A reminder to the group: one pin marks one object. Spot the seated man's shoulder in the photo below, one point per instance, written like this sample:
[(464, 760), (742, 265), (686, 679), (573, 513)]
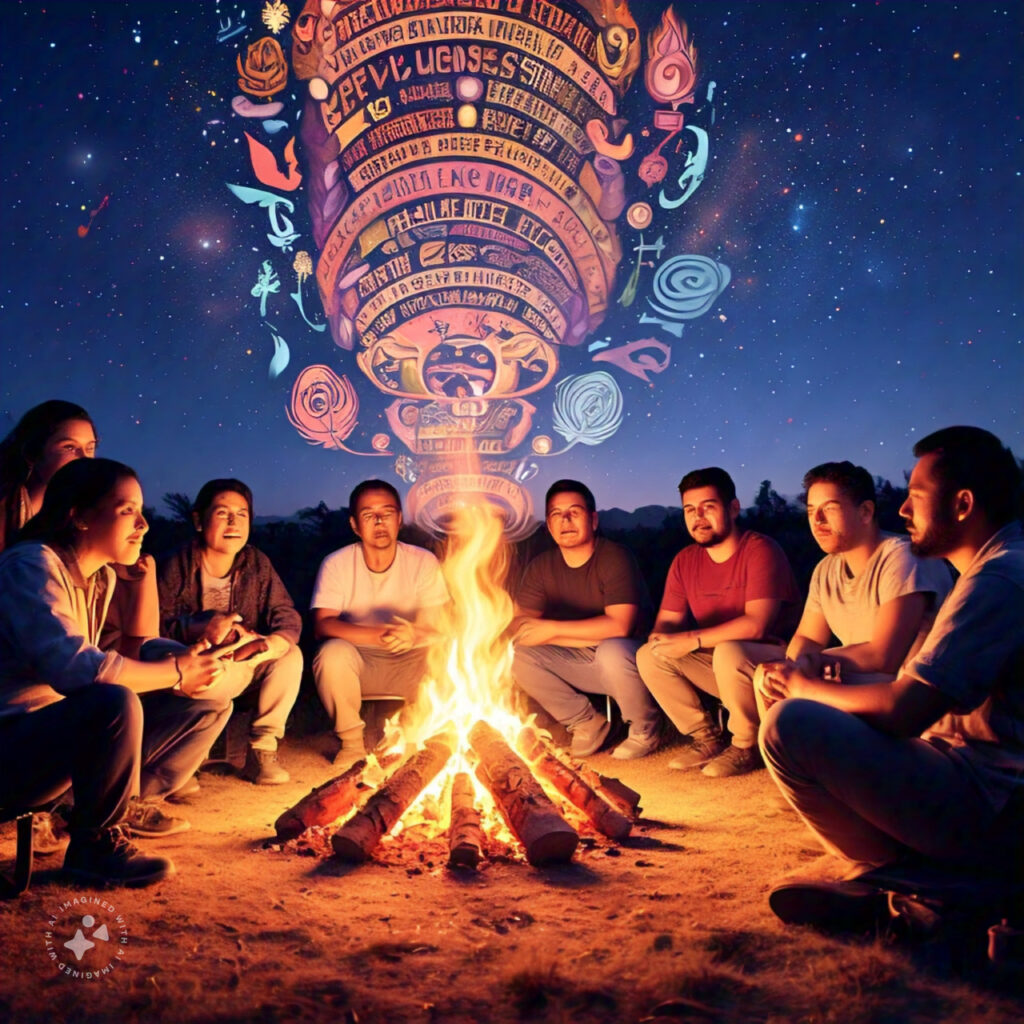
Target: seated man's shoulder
[(755, 545)]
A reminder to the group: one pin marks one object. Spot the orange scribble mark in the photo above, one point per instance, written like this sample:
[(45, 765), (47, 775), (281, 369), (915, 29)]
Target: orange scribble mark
[(264, 165)]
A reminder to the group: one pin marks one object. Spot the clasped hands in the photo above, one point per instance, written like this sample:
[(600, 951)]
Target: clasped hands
[(778, 680)]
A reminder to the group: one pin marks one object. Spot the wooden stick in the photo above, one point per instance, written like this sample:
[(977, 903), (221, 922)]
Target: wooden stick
[(359, 836), (323, 804), (546, 836), (465, 836), (603, 816)]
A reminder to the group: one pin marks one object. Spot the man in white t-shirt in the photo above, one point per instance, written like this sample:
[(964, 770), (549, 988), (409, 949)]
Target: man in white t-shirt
[(374, 606)]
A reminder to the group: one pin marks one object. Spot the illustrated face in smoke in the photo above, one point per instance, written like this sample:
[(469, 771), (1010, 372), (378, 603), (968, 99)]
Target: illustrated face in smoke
[(459, 371)]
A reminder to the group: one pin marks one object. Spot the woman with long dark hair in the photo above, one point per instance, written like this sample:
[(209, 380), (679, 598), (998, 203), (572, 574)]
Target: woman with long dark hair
[(45, 438), (122, 733)]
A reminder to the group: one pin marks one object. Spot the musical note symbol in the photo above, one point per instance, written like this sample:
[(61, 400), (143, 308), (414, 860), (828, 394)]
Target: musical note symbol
[(83, 229)]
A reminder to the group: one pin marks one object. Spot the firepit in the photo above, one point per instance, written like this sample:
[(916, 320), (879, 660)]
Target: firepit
[(461, 762)]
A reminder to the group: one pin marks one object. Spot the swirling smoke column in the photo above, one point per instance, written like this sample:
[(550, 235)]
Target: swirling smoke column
[(462, 165)]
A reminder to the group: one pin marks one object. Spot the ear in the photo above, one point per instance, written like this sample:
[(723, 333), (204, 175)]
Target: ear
[(355, 526), (963, 505), (734, 509), (197, 522), (867, 511)]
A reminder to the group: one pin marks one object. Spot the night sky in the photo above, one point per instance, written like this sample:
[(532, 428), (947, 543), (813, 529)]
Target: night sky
[(864, 188)]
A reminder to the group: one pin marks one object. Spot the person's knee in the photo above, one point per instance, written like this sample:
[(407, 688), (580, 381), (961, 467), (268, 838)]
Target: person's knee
[(615, 658), (728, 659), (334, 659), (106, 707), (789, 725)]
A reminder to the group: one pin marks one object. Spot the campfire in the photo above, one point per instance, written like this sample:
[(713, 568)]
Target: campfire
[(461, 761)]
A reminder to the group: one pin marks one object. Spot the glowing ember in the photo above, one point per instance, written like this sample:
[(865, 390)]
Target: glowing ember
[(462, 743)]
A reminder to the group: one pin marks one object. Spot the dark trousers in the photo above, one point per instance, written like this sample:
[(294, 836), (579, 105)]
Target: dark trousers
[(108, 744)]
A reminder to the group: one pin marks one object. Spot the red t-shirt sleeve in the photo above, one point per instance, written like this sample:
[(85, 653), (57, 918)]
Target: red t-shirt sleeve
[(674, 598), (768, 573)]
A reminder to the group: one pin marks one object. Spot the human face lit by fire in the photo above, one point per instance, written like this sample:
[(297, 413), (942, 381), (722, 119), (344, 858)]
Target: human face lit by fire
[(73, 439), (376, 520), (709, 521), (570, 523), (929, 512), (838, 524), (225, 524), (112, 531)]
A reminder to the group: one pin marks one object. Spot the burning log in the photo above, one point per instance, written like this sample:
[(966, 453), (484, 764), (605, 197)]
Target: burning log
[(323, 804), (357, 838), (465, 836), (617, 793), (545, 834), (570, 783)]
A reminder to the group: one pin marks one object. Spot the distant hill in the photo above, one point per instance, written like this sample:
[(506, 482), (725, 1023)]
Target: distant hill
[(651, 517)]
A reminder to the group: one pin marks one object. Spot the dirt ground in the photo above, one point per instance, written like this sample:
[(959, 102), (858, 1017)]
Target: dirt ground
[(249, 932)]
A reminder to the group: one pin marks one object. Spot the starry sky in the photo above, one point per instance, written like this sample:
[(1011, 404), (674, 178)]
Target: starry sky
[(863, 187)]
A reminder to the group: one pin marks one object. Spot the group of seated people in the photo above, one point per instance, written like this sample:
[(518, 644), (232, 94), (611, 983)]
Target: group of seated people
[(905, 735)]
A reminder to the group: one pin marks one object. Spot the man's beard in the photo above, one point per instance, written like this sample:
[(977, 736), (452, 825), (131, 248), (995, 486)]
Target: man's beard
[(714, 538), (937, 539)]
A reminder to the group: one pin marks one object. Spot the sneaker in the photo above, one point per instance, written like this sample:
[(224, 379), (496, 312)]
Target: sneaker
[(638, 745), (146, 820), (105, 857), (348, 753), (587, 736), (45, 838), (832, 906), (704, 745), (733, 761), (188, 789), (263, 769)]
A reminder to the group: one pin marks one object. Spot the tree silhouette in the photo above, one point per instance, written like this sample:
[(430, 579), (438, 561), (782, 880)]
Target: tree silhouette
[(179, 505)]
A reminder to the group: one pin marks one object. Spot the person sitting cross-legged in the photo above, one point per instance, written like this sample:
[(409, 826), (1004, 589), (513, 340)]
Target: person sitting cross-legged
[(580, 610), (929, 764)]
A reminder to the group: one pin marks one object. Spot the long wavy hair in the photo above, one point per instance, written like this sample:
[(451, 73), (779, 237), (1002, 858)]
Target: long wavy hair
[(22, 448)]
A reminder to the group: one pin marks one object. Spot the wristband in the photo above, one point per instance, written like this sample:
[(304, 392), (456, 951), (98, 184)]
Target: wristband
[(698, 641), (177, 668)]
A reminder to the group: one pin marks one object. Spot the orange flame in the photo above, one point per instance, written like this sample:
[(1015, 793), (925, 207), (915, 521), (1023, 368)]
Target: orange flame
[(671, 72)]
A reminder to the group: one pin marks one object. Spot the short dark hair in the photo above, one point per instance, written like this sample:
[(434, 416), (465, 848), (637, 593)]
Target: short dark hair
[(372, 485), (854, 481), (712, 476), (210, 490), (973, 459), (564, 486), (76, 487)]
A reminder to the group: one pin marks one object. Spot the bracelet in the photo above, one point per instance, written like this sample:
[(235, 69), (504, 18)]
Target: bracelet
[(177, 668), (698, 641)]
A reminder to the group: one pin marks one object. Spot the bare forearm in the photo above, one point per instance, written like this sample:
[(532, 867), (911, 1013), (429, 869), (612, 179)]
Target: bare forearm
[(802, 645)]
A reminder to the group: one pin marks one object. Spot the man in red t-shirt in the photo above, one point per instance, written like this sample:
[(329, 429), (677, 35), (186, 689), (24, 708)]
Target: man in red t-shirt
[(731, 585)]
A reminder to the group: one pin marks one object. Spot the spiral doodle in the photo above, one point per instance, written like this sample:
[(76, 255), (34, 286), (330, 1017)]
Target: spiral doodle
[(587, 408), (685, 287), (324, 407)]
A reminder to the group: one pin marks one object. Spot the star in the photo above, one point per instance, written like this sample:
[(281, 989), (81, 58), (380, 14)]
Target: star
[(79, 945)]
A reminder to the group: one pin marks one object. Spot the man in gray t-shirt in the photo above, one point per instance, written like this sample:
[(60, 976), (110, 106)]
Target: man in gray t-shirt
[(870, 591)]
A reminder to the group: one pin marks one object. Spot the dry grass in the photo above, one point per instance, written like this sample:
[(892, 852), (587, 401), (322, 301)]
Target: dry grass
[(677, 917)]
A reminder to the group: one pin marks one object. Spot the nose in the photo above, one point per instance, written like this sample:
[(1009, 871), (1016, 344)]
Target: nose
[(905, 509), (141, 524)]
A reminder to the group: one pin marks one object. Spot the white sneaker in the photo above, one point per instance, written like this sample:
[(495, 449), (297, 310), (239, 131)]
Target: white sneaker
[(638, 745)]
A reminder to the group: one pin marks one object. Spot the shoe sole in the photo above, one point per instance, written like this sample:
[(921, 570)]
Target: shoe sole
[(832, 906), (105, 881), (137, 833)]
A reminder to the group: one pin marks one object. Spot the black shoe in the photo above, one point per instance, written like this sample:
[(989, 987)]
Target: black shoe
[(105, 857), (832, 906), (148, 821)]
